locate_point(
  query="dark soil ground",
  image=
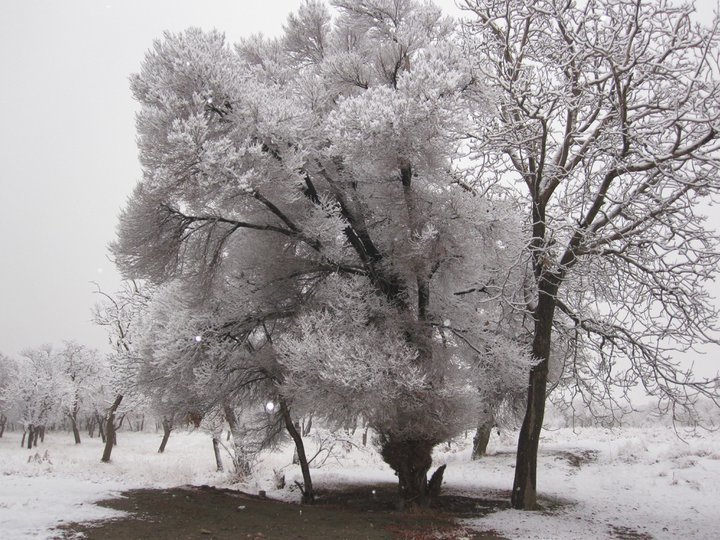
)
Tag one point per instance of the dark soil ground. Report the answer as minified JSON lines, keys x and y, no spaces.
{"x":351,"y":513}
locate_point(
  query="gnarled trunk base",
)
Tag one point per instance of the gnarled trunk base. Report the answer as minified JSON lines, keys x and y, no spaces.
{"x":411,"y":460}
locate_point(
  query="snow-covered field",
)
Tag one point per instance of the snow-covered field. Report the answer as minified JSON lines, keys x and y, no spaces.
{"x":597,"y":483}
{"x":636,"y":481}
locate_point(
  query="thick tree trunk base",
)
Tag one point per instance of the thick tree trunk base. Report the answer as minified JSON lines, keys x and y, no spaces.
{"x":411,"y":461}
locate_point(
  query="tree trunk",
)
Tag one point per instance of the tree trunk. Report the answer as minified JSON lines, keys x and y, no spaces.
{"x":110,"y":439}
{"x":411,"y":460}
{"x":101,"y":428}
{"x":31,"y":436}
{"x":167,"y":428}
{"x":524,"y":494}
{"x":241,"y":460}
{"x":435,"y":483}
{"x":482,"y":437}
{"x":75,"y":430}
{"x":3,"y":421}
{"x":308,"y":495}
{"x":216,"y":449}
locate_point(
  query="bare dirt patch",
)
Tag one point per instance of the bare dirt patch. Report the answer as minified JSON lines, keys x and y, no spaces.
{"x":627,"y":533}
{"x":207,"y":513}
{"x":577,"y":458}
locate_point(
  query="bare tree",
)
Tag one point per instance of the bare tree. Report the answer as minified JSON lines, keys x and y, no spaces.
{"x":606,"y":121}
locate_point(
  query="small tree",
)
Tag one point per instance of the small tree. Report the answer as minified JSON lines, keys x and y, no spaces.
{"x":39,"y":391}
{"x":118,"y":313}
{"x":81,"y":369}
{"x":606,"y":126}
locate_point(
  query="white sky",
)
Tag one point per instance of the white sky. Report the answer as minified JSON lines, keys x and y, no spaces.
{"x":68,"y":159}
{"x":67,"y":145}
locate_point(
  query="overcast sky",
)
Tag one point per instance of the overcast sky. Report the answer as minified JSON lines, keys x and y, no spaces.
{"x":68,"y":158}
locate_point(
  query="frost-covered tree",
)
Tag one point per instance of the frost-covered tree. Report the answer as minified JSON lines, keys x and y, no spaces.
{"x":182,"y":377}
{"x":156,"y":363}
{"x":47,"y":385}
{"x":38,"y":391}
{"x":301,"y":194}
{"x":606,"y":125}
{"x":8,"y":377}
{"x":118,"y":314}
{"x":82,"y":375}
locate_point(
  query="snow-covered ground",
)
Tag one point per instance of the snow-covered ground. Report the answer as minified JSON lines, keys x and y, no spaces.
{"x":596,"y":483}
{"x":58,"y":480}
{"x":637,"y":481}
